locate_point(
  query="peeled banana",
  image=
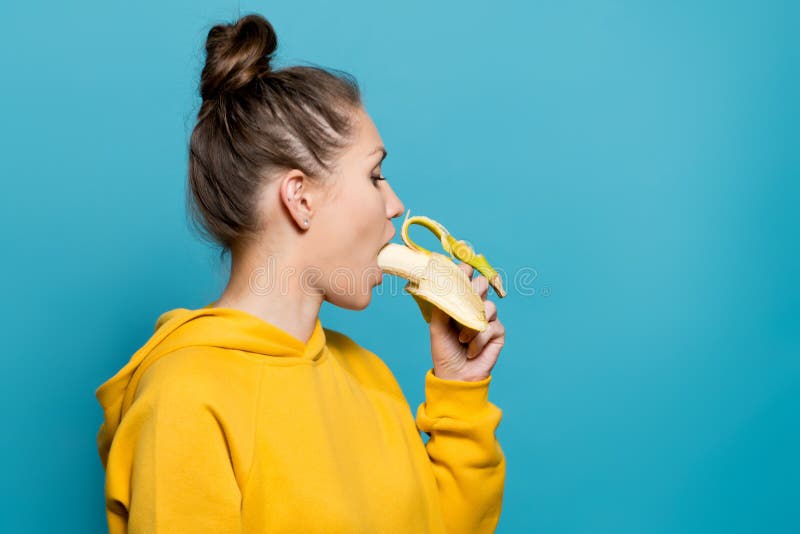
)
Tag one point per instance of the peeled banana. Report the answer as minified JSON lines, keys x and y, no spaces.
{"x":434,"y":279}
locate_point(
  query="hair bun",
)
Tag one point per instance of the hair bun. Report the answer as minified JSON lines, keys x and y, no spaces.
{"x":237,"y":54}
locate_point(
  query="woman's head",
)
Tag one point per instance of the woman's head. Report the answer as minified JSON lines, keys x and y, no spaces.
{"x":273,"y":149}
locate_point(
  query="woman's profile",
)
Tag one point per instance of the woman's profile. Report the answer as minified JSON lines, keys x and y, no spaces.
{"x":226,"y":420}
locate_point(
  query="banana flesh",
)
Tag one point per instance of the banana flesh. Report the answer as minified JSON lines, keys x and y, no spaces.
{"x":435,"y":280}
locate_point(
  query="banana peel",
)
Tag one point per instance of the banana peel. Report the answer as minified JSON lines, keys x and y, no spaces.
{"x":434,"y":279}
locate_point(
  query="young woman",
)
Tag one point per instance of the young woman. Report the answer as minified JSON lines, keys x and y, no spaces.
{"x":225,"y":420}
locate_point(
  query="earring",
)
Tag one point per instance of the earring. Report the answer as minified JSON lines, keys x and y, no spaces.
{"x":305,"y":222}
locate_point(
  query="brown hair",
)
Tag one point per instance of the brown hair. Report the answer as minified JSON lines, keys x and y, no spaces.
{"x":255,"y":121}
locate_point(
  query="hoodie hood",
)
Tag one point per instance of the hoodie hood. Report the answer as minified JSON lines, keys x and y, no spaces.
{"x":226,"y":328}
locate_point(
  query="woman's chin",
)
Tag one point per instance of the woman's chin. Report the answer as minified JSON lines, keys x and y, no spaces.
{"x":356,"y":298}
{"x":377,"y":275}
{"x":358,"y":301}
{"x":372,"y":276}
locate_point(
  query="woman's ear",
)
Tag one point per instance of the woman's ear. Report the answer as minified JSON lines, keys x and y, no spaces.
{"x":297,"y":197}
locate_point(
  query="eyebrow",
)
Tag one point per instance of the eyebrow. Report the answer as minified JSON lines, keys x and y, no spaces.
{"x":380,"y":149}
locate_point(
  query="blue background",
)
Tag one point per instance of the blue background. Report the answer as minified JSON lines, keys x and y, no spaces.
{"x":638,"y":160}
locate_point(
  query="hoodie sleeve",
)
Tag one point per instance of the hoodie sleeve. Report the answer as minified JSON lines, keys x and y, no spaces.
{"x":181,"y":476}
{"x":467,"y":460}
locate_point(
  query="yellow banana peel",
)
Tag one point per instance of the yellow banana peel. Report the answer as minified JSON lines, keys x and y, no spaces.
{"x":434,"y":279}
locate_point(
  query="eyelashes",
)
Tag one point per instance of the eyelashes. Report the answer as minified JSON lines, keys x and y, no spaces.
{"x":375,"y":179}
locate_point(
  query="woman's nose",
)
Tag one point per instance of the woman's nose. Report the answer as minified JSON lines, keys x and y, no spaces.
{"x":394,"y":207}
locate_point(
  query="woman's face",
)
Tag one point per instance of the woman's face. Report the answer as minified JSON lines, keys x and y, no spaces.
{"x":349,"y":228}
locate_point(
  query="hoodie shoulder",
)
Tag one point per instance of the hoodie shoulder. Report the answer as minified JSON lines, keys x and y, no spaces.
{"x":209,"y":370}
{"x":348,"y":348}
{"x":363,"y":363}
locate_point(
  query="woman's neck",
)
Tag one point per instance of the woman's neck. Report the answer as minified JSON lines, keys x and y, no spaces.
{"x":275,"y":290}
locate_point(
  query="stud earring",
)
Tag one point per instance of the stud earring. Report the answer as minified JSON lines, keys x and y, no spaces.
{"x":305,"y":222}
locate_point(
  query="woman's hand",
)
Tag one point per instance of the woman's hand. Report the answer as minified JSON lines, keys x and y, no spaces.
{"x":461,"y":353}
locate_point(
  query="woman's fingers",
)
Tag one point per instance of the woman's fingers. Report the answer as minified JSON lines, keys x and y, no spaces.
{"x":475,"y":339}
{"x":495,"y":330}
{"x":468,"y":334}
{"x":481,"y":286}
{"x":491,"y":310}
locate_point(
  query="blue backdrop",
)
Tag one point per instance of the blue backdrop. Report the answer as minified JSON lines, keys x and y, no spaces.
{"x":632,"y":167}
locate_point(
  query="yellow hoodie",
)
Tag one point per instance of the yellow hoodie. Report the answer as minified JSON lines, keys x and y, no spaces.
{"x":225,"y":423}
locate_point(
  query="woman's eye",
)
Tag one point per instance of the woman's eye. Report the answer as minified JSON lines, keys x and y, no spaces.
{"x":376,"y":178}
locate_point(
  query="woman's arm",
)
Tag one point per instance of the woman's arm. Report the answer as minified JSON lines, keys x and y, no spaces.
{"x":171,"y":466}
{"x":467,"y":460}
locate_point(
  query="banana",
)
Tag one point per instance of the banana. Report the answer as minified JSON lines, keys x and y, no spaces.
{"x":457,"y":248}
{"x":435,"y":280}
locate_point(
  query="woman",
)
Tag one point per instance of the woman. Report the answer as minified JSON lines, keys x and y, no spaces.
{"x":225,"y":421}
